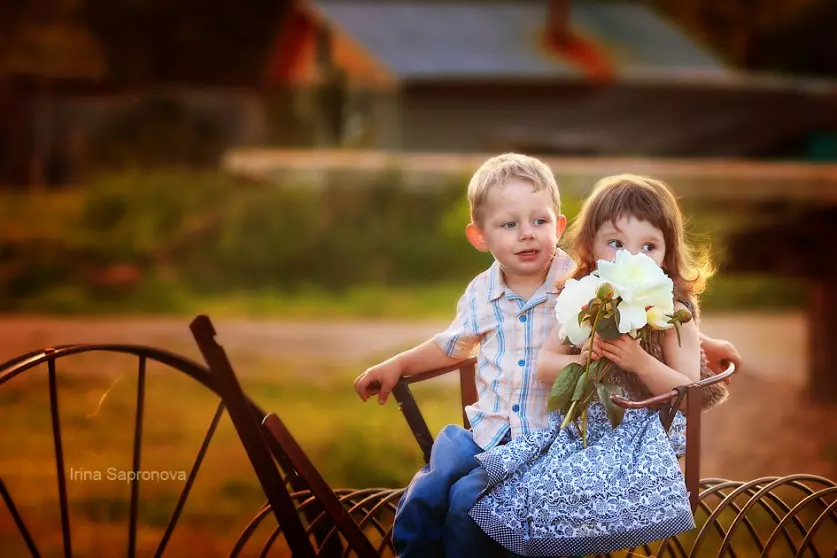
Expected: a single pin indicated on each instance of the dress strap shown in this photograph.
(687, 303)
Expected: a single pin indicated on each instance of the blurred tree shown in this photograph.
(789, 36)
(208, 42)
(47, 45)
(802, 44)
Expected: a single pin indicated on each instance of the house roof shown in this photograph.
(417, 39)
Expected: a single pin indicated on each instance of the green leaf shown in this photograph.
(606, 328)
(615, 413)
(583, 388)
(581, 316)
(593, 371)
(564, 386)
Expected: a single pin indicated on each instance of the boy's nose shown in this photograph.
(526, 233)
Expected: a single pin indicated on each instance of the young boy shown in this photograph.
(507, 311)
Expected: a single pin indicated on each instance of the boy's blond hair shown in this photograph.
(498, 170)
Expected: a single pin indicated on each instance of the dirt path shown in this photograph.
(769, 343)
(342, 342)
(767, 428)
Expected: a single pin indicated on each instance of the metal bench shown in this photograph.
(717, 502)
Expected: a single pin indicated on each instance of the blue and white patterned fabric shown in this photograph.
(548, 495)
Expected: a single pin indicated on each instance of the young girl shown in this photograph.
(548, 494)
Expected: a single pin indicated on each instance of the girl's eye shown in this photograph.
(648, 246)
(614, 243)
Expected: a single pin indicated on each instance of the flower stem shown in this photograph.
(584, 427)
(567, 419)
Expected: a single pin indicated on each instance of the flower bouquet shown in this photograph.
(630, 295)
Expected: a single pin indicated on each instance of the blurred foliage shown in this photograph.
(171, 240)
(156, 131)
(785, 36)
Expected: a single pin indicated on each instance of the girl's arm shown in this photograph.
(682, 362)
(553, 357)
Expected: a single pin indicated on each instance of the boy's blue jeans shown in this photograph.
(432, 517)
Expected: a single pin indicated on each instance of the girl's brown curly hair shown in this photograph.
(650, 200)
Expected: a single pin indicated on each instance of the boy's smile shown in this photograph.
(528, 255)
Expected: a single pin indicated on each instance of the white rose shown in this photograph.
(640, 283)
(657, 318)
(576, 294)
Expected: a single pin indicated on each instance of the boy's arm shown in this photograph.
(453, 345)
(717, 351)
(423, 357)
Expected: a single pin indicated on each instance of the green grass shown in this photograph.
(371, 301)
(381, 251)
(435, 301)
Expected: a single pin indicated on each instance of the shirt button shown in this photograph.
(515, 407)
(522, 319)
(521, 363)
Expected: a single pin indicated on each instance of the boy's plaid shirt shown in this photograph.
(509, 331)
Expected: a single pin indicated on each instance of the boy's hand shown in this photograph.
(718, 352)
(625, 352)
(379, 379)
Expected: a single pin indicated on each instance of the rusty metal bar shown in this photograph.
(252, 436)
(418, 426)
(190, 480)
(467, 388)
(673, 394)
(132, 527)
(21, 526)
(59, 453)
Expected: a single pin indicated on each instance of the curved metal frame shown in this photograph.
(195, 371)
(364, 506)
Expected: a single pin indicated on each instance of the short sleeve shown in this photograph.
(460, 338)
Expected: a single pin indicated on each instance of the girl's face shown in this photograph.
(631, 234)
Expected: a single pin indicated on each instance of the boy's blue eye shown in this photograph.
(540, 221)
(509, 225)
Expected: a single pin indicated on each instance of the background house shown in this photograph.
(554, 76)
(115, 83)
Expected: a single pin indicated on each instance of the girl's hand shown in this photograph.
(586, 353)
(625, 352)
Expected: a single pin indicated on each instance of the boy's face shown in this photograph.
(519, 227)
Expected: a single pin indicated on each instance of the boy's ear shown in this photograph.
(560, 224)
(476, 237)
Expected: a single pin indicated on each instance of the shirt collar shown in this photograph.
(558, 270)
